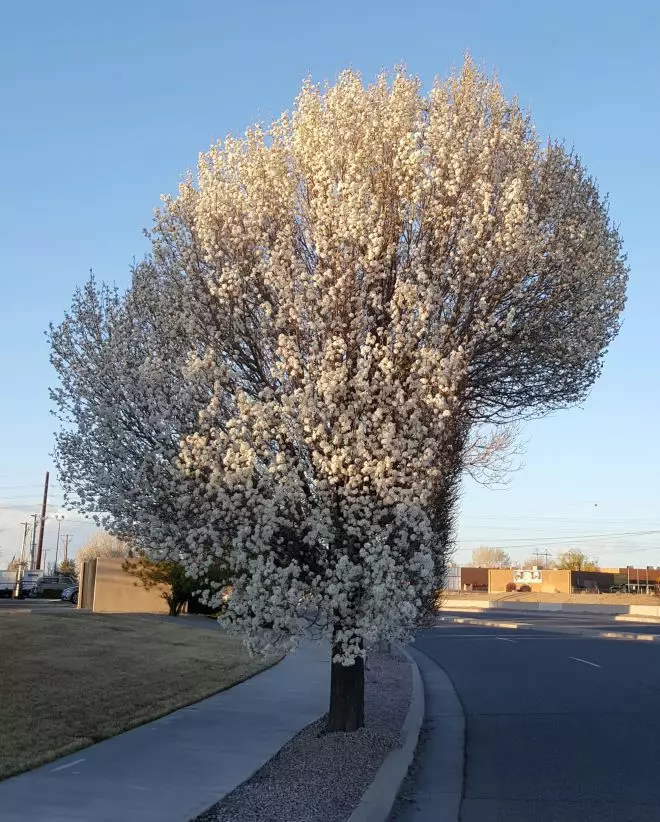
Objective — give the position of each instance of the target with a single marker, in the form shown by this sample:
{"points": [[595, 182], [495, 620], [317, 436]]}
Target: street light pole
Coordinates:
{"points": [[59, 517], [21, 566], [34, 542], [25, 525]]}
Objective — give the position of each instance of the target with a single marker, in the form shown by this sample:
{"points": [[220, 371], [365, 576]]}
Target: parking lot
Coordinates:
{"points": [[9, 606]]}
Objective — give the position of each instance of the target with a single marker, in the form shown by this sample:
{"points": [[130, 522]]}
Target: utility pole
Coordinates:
{"points": [[67, 537], [545, 554], [34, 541], [42, 524]]}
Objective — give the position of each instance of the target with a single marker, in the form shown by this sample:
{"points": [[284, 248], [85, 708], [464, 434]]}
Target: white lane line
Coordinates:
{"points": [[586, 661], [504, 639], [68, 765]]}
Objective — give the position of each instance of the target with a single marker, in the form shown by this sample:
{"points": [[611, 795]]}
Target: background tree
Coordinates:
{"points": [[354, 290], [575, 560], [543, 562], [68, 568], [100, 545], [486, 557], [15, 564], [177, 586]]}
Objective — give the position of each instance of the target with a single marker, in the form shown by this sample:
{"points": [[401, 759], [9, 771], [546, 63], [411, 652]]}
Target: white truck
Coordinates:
{"points": [[7, 583], [27, 582]]}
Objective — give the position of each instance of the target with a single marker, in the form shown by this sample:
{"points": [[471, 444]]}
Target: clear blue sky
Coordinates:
{"points": [[106, 105]]}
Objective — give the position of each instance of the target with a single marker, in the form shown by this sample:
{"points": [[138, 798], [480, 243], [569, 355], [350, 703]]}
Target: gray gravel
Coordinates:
{"points": [[320, 777]]}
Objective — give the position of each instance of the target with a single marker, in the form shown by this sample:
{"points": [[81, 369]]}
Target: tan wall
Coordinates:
{"points": [[551, 581], [86, 590], [556, 582], [115, 591], [498, 578]]}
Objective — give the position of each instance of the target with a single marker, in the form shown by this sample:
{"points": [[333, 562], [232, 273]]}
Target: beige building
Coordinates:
{"points": [[106, 588], [548, 581]]}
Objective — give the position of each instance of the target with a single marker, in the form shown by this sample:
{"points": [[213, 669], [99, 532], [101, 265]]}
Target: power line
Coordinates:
{"points": [[30, 485], [575, 538], [559, 517]]}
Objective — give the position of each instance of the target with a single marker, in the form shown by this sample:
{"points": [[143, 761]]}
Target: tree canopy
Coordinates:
{"points": [[101, 544], [486, 557], [575, 560]]}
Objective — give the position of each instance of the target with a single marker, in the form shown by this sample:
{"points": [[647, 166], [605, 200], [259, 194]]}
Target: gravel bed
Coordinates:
{"points": [[319, 777]]}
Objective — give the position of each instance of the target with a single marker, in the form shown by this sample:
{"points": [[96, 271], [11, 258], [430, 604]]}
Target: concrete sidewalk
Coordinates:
{"points": [[172, 769]]}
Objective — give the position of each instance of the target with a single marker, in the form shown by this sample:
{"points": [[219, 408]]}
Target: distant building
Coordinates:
{"points": [[466, 579], [549, 581], [636, 579]]}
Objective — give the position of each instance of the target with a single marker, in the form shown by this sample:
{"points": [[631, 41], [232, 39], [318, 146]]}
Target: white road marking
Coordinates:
{"points": [[504, 639], [586, 661], [68, 765]]}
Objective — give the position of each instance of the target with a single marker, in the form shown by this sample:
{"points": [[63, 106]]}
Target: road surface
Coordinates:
{"points": [[559, 728]]}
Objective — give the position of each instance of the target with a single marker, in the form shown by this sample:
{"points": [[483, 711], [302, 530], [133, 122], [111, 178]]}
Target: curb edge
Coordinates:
{"points": [[377, 801]]}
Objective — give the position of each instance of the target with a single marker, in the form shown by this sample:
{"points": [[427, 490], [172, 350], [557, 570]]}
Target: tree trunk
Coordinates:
{"points": [[346, 696]]}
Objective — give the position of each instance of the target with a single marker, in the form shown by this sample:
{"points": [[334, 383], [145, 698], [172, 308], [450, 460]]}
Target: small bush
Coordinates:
{"points": [[510, 586]]}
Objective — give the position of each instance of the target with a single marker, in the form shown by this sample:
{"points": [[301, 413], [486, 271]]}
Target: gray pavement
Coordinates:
{"points": [[559, 728], [172, 769], [17, 606]]}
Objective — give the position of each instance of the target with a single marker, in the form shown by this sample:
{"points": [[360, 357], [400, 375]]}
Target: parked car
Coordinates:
{"points": [[70, 594], [52, 586], [29, 580]]}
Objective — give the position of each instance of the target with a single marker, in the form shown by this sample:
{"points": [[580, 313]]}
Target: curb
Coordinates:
{"points": [[378, 800], [647, 620], [438, 783], [486, 623], [526, 626], [626, 636]]}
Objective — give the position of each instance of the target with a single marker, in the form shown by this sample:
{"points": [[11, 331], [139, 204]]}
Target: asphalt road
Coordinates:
{"points": [[557, 619], [559, 728]]}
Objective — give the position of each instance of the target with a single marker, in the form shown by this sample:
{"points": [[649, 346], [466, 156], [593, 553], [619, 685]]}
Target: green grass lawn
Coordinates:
{"points": [[69, 680]]}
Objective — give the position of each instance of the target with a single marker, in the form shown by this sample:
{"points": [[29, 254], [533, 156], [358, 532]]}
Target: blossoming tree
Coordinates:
{"points": [[365, 281], [126, 398]]}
